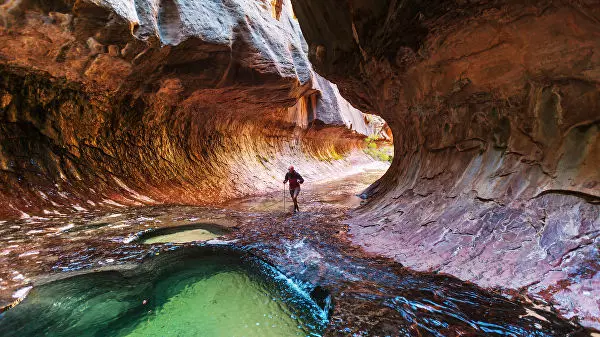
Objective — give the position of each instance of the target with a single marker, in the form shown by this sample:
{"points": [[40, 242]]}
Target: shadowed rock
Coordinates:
{"points": [[494, 108]]}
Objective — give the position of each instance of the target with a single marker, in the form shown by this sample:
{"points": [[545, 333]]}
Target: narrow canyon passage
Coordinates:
{"points": [[139, 138], [361, 293]]}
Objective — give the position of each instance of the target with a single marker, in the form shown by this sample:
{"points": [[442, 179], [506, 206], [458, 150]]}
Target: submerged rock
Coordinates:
{"points": [[183, 234]]}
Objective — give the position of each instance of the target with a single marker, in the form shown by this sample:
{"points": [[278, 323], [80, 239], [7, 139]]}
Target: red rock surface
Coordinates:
{"points": [[108, 103], [495, 111], [370, 295], [494, 106]]}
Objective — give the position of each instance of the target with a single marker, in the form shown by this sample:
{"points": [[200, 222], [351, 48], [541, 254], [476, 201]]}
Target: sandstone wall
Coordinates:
{"points": [[495, 110], [109, 103]]}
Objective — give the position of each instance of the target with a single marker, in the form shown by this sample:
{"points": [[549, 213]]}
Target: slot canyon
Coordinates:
{"points": [[450, 152]]}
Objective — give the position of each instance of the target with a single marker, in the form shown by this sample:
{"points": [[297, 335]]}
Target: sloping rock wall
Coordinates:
{"points": [[118, 103], [495, 111]]}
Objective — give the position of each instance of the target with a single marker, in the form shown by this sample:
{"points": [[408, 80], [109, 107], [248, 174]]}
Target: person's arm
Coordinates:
{"points": [[286, 178], [300, 179]]}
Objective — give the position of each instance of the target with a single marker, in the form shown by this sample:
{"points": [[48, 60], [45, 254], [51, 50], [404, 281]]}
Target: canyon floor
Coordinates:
{"points": [[370, 295]]}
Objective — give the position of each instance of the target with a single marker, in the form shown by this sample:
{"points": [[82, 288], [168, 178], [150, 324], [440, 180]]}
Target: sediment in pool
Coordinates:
{"points": [[183, 234], [193, 291]]}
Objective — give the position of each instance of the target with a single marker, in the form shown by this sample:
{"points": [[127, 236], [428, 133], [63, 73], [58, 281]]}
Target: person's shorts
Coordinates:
{"points": [[294, 192]]}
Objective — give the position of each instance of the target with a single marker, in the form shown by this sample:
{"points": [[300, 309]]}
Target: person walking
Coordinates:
{"points": [[295, 180]]}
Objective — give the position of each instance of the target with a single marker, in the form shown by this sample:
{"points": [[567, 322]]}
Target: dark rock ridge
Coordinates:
{"points": [[495, 111], [108, 103]]}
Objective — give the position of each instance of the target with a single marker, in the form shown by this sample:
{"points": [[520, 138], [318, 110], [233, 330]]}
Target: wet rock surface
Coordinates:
{"points": [[369, 295], [494, 107]]}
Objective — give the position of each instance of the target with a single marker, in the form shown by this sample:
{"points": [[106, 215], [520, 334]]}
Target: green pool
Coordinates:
{"points": [[177, 295], [182, 234]]}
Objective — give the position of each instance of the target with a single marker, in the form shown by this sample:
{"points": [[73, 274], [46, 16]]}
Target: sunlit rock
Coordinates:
{"points": [[108, 104]]}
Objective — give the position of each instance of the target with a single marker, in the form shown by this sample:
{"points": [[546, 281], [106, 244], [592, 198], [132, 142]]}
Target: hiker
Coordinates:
{"points": [[295, 180]]}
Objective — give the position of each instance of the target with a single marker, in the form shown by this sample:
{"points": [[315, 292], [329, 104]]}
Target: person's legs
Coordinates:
{"points": [[295, 193]]}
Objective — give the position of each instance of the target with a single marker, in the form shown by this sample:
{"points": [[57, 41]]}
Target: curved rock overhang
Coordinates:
{"points": [[495, 111], [109, 103]]}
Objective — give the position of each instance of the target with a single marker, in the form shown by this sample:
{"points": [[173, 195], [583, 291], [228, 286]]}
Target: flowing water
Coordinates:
{"points": [[172, 295]]}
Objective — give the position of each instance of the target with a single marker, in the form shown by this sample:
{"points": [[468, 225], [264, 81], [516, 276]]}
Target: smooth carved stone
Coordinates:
{"points": [[202, 91], [494, 109]]}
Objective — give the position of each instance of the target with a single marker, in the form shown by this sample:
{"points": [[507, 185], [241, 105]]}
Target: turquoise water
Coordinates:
{"points": [[201, 296]]}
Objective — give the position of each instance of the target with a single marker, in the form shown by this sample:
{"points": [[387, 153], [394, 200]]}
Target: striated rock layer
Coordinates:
{"points": [[495, 111], [108, 103]]}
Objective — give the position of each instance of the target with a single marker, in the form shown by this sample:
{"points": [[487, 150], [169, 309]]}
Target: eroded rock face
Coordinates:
{"points": [[108, 103], [495, 109]]}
